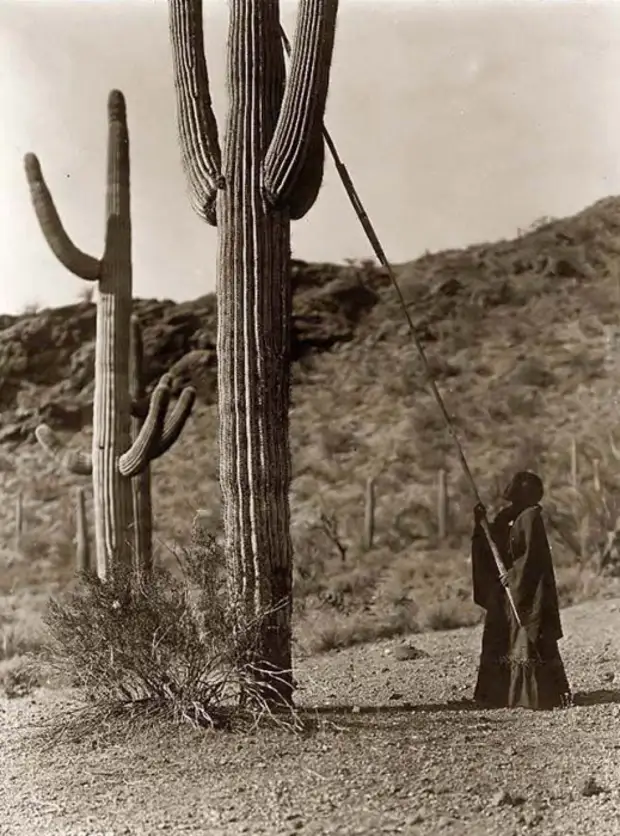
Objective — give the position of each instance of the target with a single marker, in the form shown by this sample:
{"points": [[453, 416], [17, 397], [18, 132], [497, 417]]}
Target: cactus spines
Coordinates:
{"points": [[73, 461], [82, 544], [271, 172]]}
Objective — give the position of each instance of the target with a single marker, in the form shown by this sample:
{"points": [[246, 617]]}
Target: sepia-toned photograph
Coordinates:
{"points": [[310, 417]]}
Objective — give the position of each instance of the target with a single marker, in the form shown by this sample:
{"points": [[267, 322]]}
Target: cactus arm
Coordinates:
{"points": [[140, 408], [139, 455], [197, 126], [73, 461], [78, 262], [304, 195], [311, 177], [293, 167], [175, 422]]}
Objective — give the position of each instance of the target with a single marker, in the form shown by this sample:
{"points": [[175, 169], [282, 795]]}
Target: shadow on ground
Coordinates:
{"points": [[347, 714], [603, 696]]}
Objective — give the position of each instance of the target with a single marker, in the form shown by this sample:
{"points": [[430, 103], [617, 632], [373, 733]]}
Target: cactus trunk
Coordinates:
{"points": [[254, 307], [82, 544], [111, 411], [140, 484], [271, 172]]}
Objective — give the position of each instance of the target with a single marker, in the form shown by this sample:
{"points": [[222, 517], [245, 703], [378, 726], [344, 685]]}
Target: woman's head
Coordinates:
{"points": [[525, 488]]}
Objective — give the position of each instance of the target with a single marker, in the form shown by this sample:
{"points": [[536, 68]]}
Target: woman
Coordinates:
{"points": [[519, 666]]}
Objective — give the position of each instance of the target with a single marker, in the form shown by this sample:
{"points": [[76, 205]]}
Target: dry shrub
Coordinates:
{"points": [[450, 614], [334, 631], [166, 648], [18, 678]]}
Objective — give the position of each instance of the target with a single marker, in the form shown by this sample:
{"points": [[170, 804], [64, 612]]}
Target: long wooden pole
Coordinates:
{"points": [[380, 253]]}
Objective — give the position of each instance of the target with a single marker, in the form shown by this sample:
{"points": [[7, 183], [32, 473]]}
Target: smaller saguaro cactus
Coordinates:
{"points": [[173, 425], [19, 522], [574, 468], [369, 514], [82, 543], [596, 475], [442, 504], [156, 424], [115, 459]]}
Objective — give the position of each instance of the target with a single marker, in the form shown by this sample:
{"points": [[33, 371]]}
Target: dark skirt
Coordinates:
{"points": [[515, 672]]}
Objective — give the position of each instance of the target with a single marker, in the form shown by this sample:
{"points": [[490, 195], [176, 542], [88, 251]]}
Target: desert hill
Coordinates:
{"points": [[520, 337]]}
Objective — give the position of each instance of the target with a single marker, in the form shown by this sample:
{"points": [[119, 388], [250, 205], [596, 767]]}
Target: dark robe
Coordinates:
{"points": [[519, 666]]}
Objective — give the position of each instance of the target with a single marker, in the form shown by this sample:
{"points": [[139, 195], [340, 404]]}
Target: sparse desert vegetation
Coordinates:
{"points": [[188, 537], [520, 334]]}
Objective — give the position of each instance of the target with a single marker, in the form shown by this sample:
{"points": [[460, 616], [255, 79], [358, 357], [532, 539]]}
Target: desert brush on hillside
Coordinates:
{"points": [[520, 335]]}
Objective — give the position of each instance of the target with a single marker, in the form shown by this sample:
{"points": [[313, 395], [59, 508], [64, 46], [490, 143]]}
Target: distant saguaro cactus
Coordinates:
{"points": [[442, 504], [114, 459], [574, 467], [369, 514], [270, 173], [19, 522]]}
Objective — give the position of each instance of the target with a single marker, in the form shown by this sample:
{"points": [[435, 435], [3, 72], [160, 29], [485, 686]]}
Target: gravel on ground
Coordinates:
{"points": [[398, 750]]}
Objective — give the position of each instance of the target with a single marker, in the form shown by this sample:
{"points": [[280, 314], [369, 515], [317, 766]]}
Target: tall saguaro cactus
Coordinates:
{"points": [[269, 173], [115, 459]]}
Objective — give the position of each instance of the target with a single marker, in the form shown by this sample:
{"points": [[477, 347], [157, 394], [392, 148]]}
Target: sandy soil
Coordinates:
{"points": [[397, 751]]}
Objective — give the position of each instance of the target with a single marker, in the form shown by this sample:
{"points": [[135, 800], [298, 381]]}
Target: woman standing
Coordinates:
{"points": [[519, 666]]}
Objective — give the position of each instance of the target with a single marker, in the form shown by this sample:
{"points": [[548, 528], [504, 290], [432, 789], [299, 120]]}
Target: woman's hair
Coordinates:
{"points": [[525, 488]]}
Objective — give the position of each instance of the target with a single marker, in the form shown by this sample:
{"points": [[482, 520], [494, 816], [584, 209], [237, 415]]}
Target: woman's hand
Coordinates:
{"points": [[503, 579], [480, 512]]}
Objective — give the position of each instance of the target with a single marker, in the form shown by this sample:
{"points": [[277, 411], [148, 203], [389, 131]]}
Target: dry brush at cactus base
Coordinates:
{"points": [[517, 333]]}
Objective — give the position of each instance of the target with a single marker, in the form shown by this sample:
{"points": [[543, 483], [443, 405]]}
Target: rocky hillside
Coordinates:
{"points": [[47, 357], [520, 336]]}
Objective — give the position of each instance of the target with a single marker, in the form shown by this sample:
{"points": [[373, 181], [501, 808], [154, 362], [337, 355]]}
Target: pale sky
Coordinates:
{"points": [[459, 122]]}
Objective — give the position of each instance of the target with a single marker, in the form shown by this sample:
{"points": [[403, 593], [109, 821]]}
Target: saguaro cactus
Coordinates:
{"points": [[19, 522], [141, 484], [82, 543], [114, 459], [270, 173], [369, 513]]}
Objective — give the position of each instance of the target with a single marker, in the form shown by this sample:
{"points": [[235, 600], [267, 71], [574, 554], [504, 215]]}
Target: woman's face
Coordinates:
{"points": [[523, 492]]}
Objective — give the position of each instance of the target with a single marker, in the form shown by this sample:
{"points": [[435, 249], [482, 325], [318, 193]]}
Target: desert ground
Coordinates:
{"points": [[396, 748], [522, 337]]}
